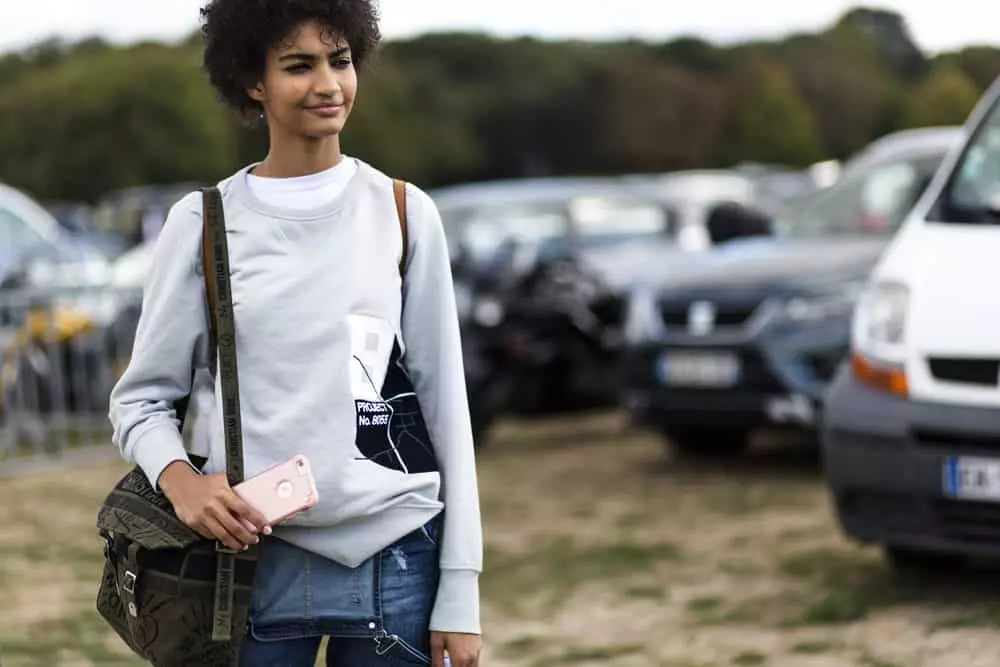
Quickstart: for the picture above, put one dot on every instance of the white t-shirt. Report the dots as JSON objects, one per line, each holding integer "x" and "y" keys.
{"x": 304, "y": 193}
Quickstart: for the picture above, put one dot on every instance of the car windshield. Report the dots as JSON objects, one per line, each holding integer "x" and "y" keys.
{"x": 546, "y": 226}
{"x": 484, "y": 230}
{"x": 972, "y": 195}
{"x": 601, "y": 221}
{"x": 17, "y": 235}
{"x": 871, "y": 200}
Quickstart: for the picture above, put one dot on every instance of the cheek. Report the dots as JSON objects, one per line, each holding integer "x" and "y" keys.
{"x": 350, "y": 86}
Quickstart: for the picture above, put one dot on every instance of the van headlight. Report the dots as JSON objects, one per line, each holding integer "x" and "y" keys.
{"x": 878, "y": 337}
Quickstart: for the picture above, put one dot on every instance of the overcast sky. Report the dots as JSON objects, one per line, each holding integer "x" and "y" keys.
{"x": 936, "y": 25}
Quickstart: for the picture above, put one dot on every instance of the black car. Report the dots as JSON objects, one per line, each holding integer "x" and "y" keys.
{"x": 751, "y": 337}
{"x": 540, "y": 328}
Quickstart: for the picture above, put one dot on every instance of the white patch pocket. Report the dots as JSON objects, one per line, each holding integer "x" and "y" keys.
{"x": 372, "y": 340}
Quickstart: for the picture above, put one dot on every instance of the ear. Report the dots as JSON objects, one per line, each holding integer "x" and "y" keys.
{"x": 257, "y": 93}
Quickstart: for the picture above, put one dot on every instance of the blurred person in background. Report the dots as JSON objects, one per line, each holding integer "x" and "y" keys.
{"x": 331, "y": 331}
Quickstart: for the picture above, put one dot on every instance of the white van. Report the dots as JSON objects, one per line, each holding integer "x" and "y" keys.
{"x": 911, "y": 431}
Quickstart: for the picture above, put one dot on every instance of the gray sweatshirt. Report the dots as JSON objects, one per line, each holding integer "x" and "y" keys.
{"x": 339, "y": 360}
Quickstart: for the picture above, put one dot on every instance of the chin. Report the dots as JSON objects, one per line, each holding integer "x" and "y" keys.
{"x": 324, "y": 130}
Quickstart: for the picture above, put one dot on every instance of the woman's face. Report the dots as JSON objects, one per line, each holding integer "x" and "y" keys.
{"x": 309, "y": 83}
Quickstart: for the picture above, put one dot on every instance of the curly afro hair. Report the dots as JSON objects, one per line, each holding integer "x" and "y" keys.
{"x": 239, "y": 33}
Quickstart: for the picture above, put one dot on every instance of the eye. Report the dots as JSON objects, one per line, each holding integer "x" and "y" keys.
{"x": 297, "y": 69}
{"x": 342, "y": 63}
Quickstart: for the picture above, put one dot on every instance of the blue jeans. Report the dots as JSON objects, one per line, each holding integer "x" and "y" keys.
{"x": 376, "y": 615}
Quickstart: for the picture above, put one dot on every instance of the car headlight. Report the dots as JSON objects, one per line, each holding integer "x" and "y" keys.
{"x": 839, "y": 303}
{"x": 879, "y": 336}
{"x": 642, "y": 318}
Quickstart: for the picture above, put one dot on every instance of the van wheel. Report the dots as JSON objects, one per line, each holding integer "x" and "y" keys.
{"x": 707, "y": 442}
{"x": 906, "y": 559}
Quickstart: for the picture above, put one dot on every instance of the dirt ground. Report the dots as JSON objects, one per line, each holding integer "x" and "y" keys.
{"x": 601, "y": 550}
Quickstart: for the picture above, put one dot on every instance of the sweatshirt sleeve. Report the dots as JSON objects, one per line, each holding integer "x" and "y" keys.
{"x": 170, "y": 341}
{"x": 434, "y": 361}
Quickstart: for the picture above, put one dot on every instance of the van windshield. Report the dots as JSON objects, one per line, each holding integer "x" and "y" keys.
{"x": 972, "y": 195}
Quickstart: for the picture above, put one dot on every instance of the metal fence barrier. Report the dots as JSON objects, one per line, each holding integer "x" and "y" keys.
{"x": 61, "y": 351}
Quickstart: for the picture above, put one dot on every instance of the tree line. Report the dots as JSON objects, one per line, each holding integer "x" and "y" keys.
{"x": 80, "y": 119}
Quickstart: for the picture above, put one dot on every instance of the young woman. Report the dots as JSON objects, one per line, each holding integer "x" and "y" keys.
{"x": 341, "y": 358}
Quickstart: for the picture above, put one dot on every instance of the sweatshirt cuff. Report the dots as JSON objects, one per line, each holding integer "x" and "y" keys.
{"x": 156, "y": 449}
{"x": 456, "y": 608}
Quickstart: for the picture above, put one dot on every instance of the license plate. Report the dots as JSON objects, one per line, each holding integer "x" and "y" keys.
{"x": 972, "y": 478}
{"x": 699, "y": 369}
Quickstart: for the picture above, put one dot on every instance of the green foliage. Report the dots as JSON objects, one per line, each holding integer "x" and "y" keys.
{"x": 766, "y": 117}
{"x": 980, "y": 63}
{"x": 945, "y": 97}
{"x": 79, "y": 119}
{"x": 81, "y": 126}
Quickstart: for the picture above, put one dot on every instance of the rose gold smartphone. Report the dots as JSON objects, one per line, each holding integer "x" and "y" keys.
{"x": 281, "y": 492}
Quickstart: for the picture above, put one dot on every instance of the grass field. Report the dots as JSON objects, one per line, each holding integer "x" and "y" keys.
{"x": 600, "y": 551}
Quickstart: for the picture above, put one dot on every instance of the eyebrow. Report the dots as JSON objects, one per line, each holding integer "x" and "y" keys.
{"x": 311, "y": 56}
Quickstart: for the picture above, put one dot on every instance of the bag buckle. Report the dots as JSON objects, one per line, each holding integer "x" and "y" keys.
{"x": 129, "y": 585}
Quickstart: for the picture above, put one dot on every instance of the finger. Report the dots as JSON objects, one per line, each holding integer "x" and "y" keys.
{"x": 235, "y": 526}
{"x": 242, "y": 509}
{"x": 221, "y": 534}
{"x": 437, "y": 650}
{"x": 202, "y": 530}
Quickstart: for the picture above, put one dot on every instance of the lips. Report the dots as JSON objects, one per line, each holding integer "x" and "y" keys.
{"x": 326, "y": 109}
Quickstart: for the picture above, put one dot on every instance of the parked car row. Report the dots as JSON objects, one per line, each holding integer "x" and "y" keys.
{"x": 543, "y": 270}
{"x": 865, "y": 313}
{"x": 751, "y": 337}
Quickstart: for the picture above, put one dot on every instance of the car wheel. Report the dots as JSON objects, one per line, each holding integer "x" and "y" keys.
{"x": 707, "y": 441}
{"x": 906, "y": 559}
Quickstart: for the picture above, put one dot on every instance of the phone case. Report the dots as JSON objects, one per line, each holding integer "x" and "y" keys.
{"x": 281, "y": 492}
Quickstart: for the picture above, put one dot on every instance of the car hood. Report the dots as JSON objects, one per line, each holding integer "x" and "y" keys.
{"x": 781, "y": 265}
{"x": 640, "y": 263}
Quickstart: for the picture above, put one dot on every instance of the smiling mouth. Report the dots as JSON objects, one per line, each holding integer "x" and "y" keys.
{"x": 326, "y": 109}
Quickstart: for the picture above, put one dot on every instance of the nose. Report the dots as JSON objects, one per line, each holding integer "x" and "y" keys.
{"x": 327, "y": 83}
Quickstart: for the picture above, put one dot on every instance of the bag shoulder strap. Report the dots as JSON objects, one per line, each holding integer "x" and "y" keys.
{"x": 222, "y": 327}
{"x": 399, "y": 190}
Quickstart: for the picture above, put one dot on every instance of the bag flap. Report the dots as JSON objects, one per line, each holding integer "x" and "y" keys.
{"x": 136, "y": 511}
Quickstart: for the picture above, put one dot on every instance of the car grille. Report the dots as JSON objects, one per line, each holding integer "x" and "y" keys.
{"x": 980, "y": 372}
{"x": 727, "y": 314}
{"x": 952, "y": 440}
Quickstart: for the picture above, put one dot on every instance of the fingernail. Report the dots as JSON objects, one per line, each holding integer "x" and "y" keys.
{"x": 245, "y": 547}
{"x": 267, "y": 530}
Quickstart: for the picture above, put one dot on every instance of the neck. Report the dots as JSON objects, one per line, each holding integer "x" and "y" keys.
{"x": 299, "y": 156}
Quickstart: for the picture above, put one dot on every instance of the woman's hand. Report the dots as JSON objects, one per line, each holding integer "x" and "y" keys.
{"x": 462, "y": 649}
{"x": 210, "y": 507}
